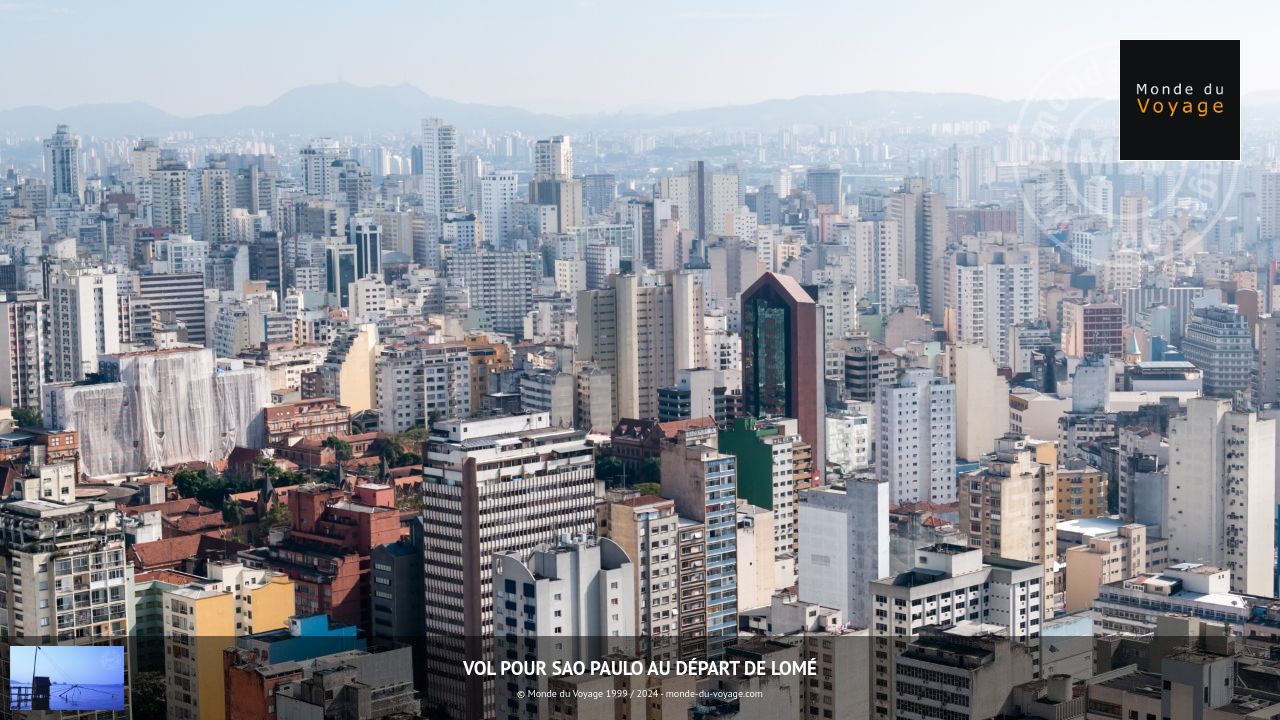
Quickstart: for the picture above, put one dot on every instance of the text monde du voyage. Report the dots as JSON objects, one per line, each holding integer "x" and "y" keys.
{"x": 1180, "y": 99}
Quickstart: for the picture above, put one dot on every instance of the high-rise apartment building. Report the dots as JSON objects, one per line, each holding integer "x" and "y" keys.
{"x": 921, "y": 219}
{"x": 992, "y": 288}
{"x": 500, "y": 484}
{"x": 642, "y": 330}
{"x": 950, "y": 584}
{"x": 1008, "y": 506}
{"x": 217, "y": 197}
{"x": 500, "y": 284}
{"x": 416, "y": 384}
{"x": 1221, "y": 508}
{"x": 702, "y": 482}
{"x": 1266, "y": 381}
{"x": 440, "y": 192}
{"x": 499, "y": 193}
{"x": 317, "y": 160}
{"x": 773, "y": 461}
{"x": 574, "y": 599}
{"x": 916, "y": 448}
{"x": 24, "y": 348}
{"x": 170, "y": 204}
{"x": 553, "y": 157}
{"x": 84, "y": 321}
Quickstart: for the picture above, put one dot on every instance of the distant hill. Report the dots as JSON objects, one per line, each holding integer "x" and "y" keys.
{"x": 342, "y": 109}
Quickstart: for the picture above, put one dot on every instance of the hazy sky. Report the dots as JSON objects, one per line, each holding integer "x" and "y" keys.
{"x": 576, "y": 56}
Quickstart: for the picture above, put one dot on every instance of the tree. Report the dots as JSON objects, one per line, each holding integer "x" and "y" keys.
{"x": 277, "y": 516}
{"x": 28, "y": 417}
{"x": 609, "y": 469}
{"x": 648, "y": 488}
{"x": 233, "y": 511}
{"x": 147, "y": 694}
{"x": 651, "y": 471}
{"x": 341, "y": 448}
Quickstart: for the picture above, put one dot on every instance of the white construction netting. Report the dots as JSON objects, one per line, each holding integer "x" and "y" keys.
{"x": 169, "y": 407}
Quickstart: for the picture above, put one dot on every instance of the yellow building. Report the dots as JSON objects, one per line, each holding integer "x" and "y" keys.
{"x": 1082, "y": 493}
{"x": 202, "y": 618}
{"x": 489, "y": 359}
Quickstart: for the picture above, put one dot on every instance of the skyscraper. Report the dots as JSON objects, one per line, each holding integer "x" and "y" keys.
{"x": 922, "y": 230}
{"x": 366, "y": 236}
{"x": 824, "y": 183}
{"x": 62, "y": 160}
{"x": 216, "y": 199}
{"x": 703, "y": 483}
{"x": 992, "y": 288}
{"x": 498, "y": 195}
{"x": 782, "y": 357}
{"x": 317, "y": 166}
{"x": 169, "y": 202}
{"x": 340, "y": 272}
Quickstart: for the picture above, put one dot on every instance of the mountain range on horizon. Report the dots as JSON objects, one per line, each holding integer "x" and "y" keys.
{"x": 346, "y": 109}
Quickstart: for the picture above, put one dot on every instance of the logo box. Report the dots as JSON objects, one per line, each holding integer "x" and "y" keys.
{"x": 1179, "y": 99}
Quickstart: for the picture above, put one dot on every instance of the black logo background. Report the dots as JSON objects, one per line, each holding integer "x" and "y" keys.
{"x": 1184, "y": 136}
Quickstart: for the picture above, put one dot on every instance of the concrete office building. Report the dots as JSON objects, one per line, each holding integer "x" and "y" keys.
{"x": 481, "y": 479}
{"x": 1219, "y": 341}
{"x": 951, "y": 584}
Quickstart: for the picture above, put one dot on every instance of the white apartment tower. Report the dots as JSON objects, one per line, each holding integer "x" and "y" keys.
{"x": 916, "y": 452}
{"x": 992, "y": 288}
{"x": 84, "y": 321}
{"x": 439, "y": 173}
{"x": 499, "y": 193}
{"x": 1220, "y": 506}
{"x": 553, "y": 158}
